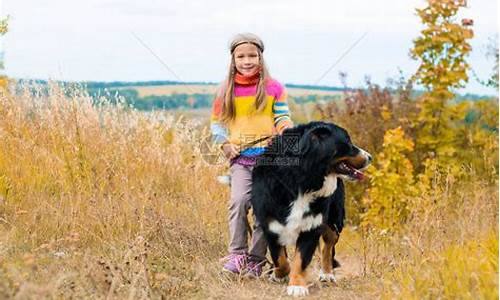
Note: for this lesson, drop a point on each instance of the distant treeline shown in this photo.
(115, 84)
(315, 98)
(156, 102)
(185, 101)
(315, 87)
(198, 100)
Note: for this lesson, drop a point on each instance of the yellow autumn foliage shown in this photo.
(468, 271)
(4, 26)
(391, 183)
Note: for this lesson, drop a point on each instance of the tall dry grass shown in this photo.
(84, 184)
(100, 201)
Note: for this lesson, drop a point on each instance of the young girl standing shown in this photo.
(249, 106)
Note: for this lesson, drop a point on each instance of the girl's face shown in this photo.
(246, 59)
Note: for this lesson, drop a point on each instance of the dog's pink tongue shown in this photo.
(358, 175)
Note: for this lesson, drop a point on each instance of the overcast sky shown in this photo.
(100, 40)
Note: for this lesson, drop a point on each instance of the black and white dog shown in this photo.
(298, 197)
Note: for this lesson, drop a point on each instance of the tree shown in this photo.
(441, 49)
(4, 26)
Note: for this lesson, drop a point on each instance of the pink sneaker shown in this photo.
(254, 269)
(235, 263)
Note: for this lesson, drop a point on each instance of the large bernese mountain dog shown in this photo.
(298, 197)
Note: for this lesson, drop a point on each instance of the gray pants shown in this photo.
(241, 185)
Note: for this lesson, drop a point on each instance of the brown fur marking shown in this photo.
(283, 267)
(330, 238)
(297, 275)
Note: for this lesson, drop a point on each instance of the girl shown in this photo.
(249, 107)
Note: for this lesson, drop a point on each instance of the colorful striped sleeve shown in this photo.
(219, 130)
(281, 112)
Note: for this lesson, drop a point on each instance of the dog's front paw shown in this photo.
(297, 290)
(275, 279)
(327, 277)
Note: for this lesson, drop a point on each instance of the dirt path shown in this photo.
(348, 286)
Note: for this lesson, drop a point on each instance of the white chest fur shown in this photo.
(296, 222)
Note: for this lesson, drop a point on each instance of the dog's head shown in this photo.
(329, 147)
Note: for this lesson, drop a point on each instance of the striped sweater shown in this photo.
(249, 125)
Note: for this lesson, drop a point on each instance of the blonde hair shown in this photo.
(228, 107)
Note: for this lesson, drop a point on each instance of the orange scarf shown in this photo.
(251, 79)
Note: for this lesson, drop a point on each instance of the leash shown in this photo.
(225, 179)
(252, 143)
(249, 145)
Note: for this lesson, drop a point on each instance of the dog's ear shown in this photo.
(313, 137)
(320, 132)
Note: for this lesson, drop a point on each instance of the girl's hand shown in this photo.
(270, 140)
(230, 150)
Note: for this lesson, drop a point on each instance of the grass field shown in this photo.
(109, 203)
